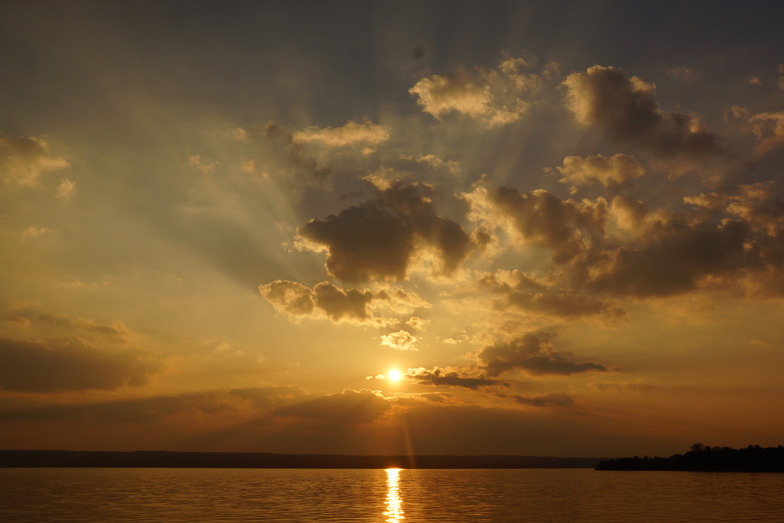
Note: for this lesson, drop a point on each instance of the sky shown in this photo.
(458, 227)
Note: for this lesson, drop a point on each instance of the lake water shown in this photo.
(521, 495)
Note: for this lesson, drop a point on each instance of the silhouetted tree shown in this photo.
(697, 447)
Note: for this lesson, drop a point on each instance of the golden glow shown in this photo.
(393, 375)
(394, 511)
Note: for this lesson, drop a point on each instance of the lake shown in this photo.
(376, 495)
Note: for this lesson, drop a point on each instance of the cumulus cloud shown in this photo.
(379, 239)
(338, 303)
(568, 227)
(609, 171)
(769, 130)
(625, 109)
(326, 300)
(535, 354)
(440, 94)
(351, 133)
(51, 365)
(400, 340)
(519, 291)
(25, 159)
(451, 377)
(724, 238)
(66, 190)
(672, 258)
(494, 96)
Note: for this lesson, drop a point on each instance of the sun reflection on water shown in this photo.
(394, 511)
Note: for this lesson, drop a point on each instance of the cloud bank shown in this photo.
(53, 365)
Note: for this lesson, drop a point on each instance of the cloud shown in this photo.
(568, 227)
(66, 190)
(349, 406)
(51, 365)
(325, 300)
(379, 239)
(535, 354)
(284, 419)
(609, 171)
(451, 377)
(400, 340)
(441, 94)
(520, 291)
(116, 330)
(295, 151)
(210, 404)
(427, 169)
(769, 130)
(553, 399)
(672, 258)
(25, 159)
(723, 239)
(34, 232)
(351, 133)
(625, 109)
(493, 96)
(683, 74)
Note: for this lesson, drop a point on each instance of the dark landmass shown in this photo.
(163, 459)
(703, 458)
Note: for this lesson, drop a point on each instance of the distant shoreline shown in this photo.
(703, 458)
(167, 459)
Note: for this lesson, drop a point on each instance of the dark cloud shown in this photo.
(349, 406)
(769, 130)
(378, 239)
(265, 398)
(255, 401)
(625, 109)
(450, 377)
(51, 365)
(476, 430)
(723, 238)
(24, 159)
(533, 353)
(295, 150)
(673, 258)
(519, 291)
(116, 330)
(125, 411)
(568, 227)
(564, 304)
(336, 304)
(554, 399)
(299, 300)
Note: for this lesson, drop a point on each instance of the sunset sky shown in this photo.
(226, 226)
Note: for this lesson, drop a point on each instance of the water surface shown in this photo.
(520, 495)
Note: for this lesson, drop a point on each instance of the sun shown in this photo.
(393, 375)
